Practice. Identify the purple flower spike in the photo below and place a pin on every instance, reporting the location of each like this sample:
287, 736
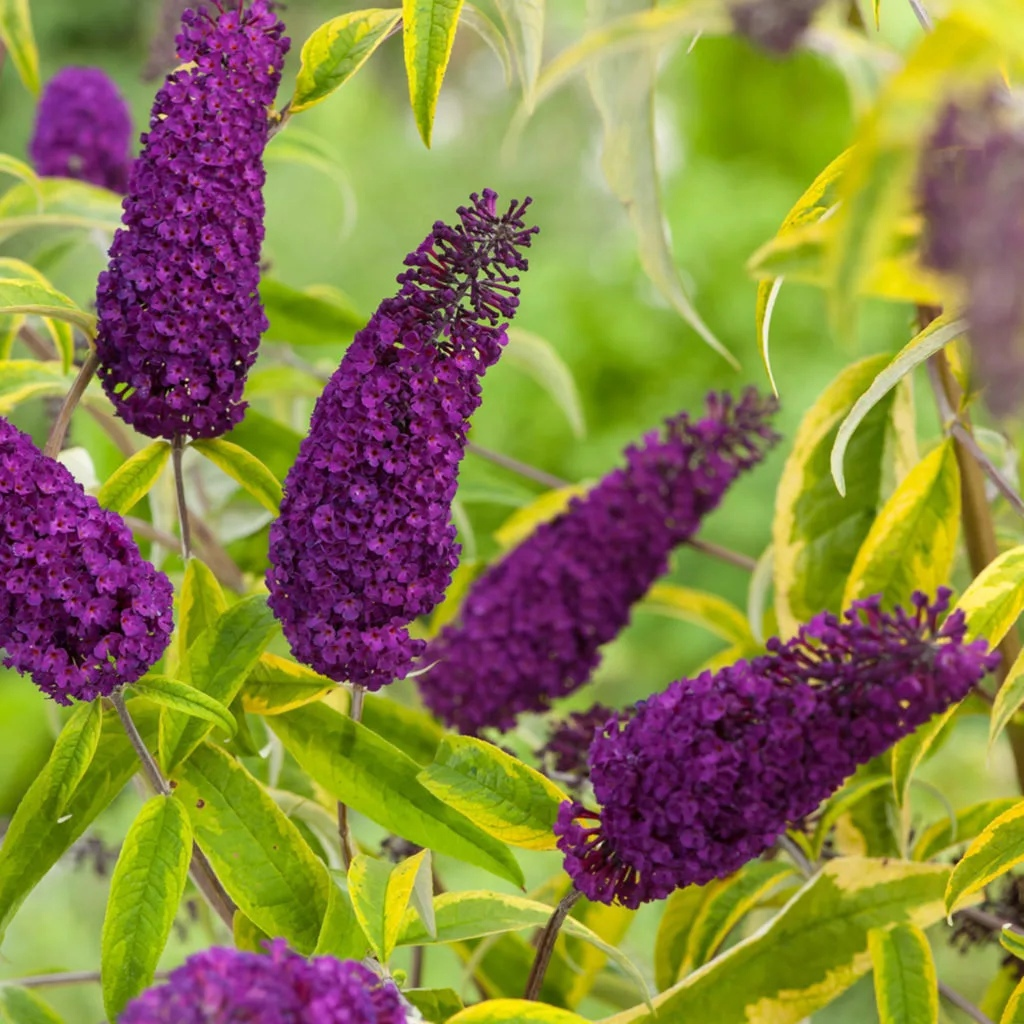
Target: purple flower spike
228, 986
83, 130
180, 317
564, 756
971, 189
532, 626
773, 25
709, 773
365, 541
80, 610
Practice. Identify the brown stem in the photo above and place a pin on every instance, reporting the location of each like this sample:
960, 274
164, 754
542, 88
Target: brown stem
979, 530
177, 449
65, 978
546, 944
40, 347
110, 425
416, 967
200, 869
736, 558
954, 997
55, 441
348, 849
523, 469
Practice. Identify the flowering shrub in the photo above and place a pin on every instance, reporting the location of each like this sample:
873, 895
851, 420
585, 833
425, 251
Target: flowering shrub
360, 672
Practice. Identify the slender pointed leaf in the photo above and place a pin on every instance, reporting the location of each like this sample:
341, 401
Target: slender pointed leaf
380, 895
524, 22
906, 986
537, 357
276, 685
134, 479
172, 693
428, 32
245, 469
24, 1006
17, 39
999, 847
200, 604
994, 600
23, 295
515, 1011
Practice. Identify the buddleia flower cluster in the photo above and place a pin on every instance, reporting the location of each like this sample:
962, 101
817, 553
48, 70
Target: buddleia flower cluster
532, 626
179, 312
773, 25
970, 186
365, 542
80, 610
83, 130
224, 986
564, 754
709, 773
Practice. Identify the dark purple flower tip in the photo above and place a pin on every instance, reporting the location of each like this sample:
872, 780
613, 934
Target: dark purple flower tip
709, 773
365, 541
971, 174
83, 130
180, 316
80, 610
773, 25
564, 755
531, 628
225, 986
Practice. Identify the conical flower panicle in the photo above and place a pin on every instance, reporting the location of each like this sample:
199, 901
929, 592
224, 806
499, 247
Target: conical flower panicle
564, 755
532, 625
180, 317
708, 774
365, 543
971, 189
773, 25
222, 986
83, 130
80, 610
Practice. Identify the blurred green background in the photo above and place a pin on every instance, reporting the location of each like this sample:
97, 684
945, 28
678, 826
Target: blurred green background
741, 136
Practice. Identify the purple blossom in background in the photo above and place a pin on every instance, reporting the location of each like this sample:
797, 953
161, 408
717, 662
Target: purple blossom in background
179, 312
971, 191
773, 25
83, 130
80, 610
709, 773
532, 625
228, 986
564, 755
365, 542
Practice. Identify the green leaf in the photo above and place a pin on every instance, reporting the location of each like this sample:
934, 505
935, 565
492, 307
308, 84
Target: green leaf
28, 295
62, 334
524, 521
994, 601
22, 379
172, 693
371, 776
412, 731
246, 935
910, 752
939, 333
1013, 1012
1008, 701
817, 532
200, 604
277, 444
1012, 941
46, 822
709, 611
815, 948
537, 357
472, 915
67, 204
474, 18
245, 469
22, 1006
380, 894
259, 856
524, 23
134, 479
506, 798
428, 33
17, 39
624, 87
841, 803
584, 964
906, 986
341, 935
911, 544
999, 847
515, 1011
303, 319
436, 1005
218, 664
74, 751
145, 890
337, 50
944, 834
276, 685
681, 910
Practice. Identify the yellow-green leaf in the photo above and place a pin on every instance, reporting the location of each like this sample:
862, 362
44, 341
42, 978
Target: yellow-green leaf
200, 604
341, 935
997, 849
839, 804
17, 39
24, 1006
1008, 701
276, 685
61, 334
906, 986
537, 357
380, 895
134, 478
247, 935
709, 611
145, 890
243, 467
172, 693
670, 946
994, 601
22, 379
497, 792
911, 544
1013, 1012
524, 23
910, 752
967, 823
428, 33
817, 532
515, 1011
524, 521
28, 295
337, 50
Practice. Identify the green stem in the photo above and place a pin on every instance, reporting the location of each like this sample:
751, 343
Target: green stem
177, 450
348, 847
